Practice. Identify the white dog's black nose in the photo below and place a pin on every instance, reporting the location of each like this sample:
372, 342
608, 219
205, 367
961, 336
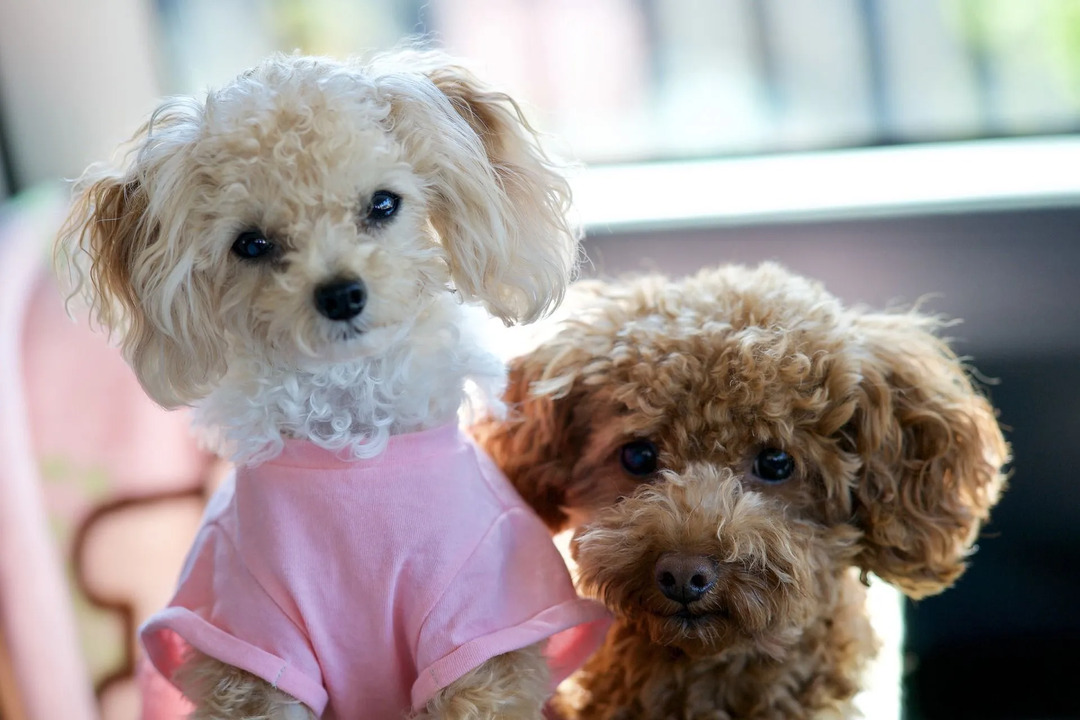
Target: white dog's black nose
685, 578
341, 299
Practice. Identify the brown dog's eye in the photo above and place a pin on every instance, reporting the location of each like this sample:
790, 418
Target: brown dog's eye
383, 206
639, 457
773, 466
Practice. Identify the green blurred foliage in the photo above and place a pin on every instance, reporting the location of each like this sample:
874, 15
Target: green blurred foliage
1041, 34
339, 28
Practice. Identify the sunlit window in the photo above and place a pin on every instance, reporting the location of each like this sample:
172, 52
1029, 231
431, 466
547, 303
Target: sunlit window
635, 80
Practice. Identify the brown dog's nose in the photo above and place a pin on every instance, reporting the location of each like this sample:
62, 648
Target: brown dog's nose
685, 578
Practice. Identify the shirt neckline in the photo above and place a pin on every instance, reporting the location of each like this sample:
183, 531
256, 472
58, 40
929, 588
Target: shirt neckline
307, 454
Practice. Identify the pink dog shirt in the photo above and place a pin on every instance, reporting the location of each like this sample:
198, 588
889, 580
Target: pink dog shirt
363, 587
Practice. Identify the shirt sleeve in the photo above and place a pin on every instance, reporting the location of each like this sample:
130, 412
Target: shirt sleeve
513, 591
221, 610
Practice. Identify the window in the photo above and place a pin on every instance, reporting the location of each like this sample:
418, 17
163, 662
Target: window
632, 80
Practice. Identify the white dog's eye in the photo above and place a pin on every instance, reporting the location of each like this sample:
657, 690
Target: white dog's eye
773, 466
252, 245
383, 205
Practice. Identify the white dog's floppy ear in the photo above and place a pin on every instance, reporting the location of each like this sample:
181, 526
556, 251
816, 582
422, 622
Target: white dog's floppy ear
122, 244
500, 206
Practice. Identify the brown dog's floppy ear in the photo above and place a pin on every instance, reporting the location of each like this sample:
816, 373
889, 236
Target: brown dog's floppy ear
932, 455
539, 441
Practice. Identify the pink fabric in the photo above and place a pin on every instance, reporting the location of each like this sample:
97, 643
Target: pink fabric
37, 620
160, 700
362, 588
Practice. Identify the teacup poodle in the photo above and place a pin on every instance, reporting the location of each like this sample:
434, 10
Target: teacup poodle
291, 257
737, 452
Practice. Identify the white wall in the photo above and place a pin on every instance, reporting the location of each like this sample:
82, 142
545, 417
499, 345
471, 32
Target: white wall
76, 79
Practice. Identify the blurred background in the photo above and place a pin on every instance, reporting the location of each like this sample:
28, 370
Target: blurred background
895, 149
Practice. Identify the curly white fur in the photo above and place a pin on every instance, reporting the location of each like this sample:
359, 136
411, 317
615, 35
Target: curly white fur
354, 406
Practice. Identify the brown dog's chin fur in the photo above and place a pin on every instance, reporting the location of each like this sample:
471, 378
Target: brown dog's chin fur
894, 460
814, 676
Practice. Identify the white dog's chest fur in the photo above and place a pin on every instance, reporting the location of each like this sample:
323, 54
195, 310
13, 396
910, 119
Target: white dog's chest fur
417, 382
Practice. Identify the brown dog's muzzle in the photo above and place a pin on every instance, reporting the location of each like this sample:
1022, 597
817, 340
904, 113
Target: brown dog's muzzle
695, 559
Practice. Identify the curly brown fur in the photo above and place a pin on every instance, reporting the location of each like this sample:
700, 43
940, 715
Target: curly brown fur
896, 461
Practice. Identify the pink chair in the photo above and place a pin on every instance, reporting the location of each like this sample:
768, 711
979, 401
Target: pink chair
100, 494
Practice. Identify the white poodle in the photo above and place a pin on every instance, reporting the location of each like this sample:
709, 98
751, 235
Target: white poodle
291, 257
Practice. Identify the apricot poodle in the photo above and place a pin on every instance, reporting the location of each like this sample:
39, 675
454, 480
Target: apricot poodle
738, 452
301, 256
